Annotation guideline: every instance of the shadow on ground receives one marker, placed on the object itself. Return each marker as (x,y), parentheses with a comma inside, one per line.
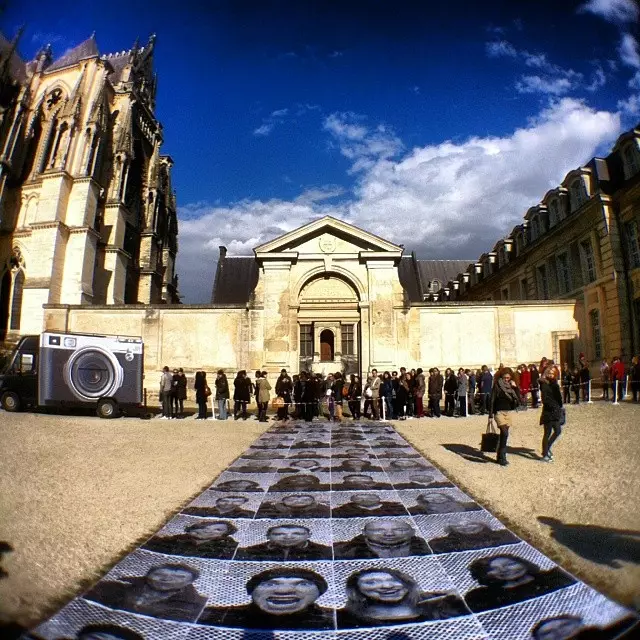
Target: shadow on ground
(475,455)
(602,545)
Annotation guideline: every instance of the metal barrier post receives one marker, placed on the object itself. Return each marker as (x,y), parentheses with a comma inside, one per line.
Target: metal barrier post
(615,392)
(384,409)
(589,401)
(213,408)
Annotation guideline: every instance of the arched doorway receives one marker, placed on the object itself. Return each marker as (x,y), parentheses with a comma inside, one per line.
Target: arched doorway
(5,292)
(329,325)
(326,346)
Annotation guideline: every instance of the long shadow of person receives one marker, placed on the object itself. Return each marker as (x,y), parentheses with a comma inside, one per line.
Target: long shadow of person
(525,452)
(602,545)
(467,452)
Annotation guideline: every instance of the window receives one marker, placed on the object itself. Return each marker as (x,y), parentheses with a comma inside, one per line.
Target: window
(631,233)
(588,261)
(596,338)
(348,347)
(505,294)
(306,341)
(564,273)
(577,194)
(524,293)
(16,302)
(543,283)
(631,164)
(535,228)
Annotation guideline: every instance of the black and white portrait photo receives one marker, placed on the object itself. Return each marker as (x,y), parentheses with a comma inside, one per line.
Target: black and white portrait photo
(362,505)
(439,502)
(286,542)
(471,534)
(206,539)
(232,506)
(296,505)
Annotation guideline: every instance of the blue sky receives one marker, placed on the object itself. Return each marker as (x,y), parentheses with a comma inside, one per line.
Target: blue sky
(433,124)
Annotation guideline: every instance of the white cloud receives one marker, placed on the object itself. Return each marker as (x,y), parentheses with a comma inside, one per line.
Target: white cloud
(501,48)
(452,199)
(264,130)
(598,80)
(613,10)
(628,51)
(631,105)
(539,84)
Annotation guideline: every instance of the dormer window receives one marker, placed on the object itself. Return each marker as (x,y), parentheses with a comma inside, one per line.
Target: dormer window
(554,213)
(535,228)
(435,286)
(578,195)
(630,160)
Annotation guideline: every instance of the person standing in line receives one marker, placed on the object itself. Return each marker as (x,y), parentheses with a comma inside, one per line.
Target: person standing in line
(421,388)
(174,394)
(552,410)
(535,385)
(605,377)
(263,387)
(402,393)
(463,390)
(337,387)
(585,376)
(222,394)
(617,379)
(200,385)
(635,378)
(180,389)
(472,391)
(525,383)
(284,388)
(241,395)
(566,383)
(309,398)
(411,400)
(386,390)
(575,384)
(374,383)
(353,396)
(253,391)
(450,388)
(434,388)
(166,384)
(486,384)
(505,399)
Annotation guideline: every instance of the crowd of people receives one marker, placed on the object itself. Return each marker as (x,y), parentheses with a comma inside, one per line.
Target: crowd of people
(392,395)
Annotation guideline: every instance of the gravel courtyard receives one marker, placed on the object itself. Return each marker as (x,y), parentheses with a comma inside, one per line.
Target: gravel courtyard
(78,492)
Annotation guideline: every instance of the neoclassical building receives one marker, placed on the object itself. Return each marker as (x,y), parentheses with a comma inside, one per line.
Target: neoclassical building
(329,296)
(581,242)
(87,210)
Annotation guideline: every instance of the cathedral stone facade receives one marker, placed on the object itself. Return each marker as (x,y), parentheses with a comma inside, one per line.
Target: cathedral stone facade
(87,211)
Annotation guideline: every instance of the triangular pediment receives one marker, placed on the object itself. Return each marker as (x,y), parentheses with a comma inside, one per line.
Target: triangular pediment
(328,234)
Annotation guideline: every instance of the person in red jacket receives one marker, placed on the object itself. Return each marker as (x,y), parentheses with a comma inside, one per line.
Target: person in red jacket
(617,379)
(525,383)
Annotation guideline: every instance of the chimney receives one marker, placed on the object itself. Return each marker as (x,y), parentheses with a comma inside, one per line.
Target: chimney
(223,252)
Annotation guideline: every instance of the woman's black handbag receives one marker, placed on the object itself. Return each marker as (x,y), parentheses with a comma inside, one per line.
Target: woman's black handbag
(490,438)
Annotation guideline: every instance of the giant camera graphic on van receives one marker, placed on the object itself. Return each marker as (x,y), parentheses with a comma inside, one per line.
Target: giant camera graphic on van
(87,368)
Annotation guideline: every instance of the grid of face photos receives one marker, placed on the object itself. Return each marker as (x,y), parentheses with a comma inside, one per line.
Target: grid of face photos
(324,530)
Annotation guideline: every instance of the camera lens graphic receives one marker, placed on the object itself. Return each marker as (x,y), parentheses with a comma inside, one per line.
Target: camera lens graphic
(93,373)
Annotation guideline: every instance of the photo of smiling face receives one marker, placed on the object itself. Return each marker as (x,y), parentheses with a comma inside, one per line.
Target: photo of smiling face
(298,501)
(382,587)
(214,531)
(506,569)
(285,595)
(467,528)
(288,535)
(167,578)
(388,532)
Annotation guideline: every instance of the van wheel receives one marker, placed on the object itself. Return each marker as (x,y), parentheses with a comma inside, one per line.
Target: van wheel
(107,408)
(10,401)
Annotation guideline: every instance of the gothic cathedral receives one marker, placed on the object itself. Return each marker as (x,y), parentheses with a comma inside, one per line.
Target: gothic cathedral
(87,211)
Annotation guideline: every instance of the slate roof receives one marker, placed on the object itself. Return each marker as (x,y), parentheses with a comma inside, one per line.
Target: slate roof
(235,280)
(86,49)
(237,277)
(17,66)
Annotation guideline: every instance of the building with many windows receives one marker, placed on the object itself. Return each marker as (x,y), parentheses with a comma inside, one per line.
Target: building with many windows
(87,211)
(580,242)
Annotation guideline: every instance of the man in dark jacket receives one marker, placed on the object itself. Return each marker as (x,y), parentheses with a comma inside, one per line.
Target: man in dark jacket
(393,538)
(286,542)
(208,539)
(434,387)
(282,598)
(241,395)
(297,505)
(363,505)
(284,389)
(166,591)
(486,384)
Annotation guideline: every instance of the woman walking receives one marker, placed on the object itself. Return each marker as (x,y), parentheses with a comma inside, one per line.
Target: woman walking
(222,394)
(505,399)
(201,387)
(552,412)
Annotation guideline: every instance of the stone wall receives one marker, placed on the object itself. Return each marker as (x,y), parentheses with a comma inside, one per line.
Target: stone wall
(206,337)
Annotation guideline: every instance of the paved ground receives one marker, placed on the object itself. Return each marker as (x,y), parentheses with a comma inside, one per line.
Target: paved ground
(79,492)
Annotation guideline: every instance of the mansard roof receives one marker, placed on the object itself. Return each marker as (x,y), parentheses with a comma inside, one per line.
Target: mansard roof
(83,51)
(236,278)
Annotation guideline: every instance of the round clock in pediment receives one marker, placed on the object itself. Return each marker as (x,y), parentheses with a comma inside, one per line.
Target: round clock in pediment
(327,243)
